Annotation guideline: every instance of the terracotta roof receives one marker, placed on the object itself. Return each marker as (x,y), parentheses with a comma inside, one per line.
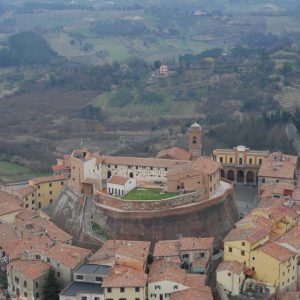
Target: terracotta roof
(31,269)
(268,190)
(67,255)
(26,214)
(292,238)
(202,165)
(276,251)
(190,243)
(278,165)
(15,249)
(8,233)
(193,294)
(166,270)
(251,234)
(23,192)
(291,296)
(8,198)
(232,266)
(122,276)
(8,208)
(141,161)
(43,226)
(44,179)
(166,248)
(137,250)
(174,153)
(118,180)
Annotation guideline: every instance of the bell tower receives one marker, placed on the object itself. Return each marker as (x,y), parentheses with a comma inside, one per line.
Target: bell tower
(195,142)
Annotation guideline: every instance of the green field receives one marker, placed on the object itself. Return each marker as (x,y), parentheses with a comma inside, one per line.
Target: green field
(147,194)
(8,168)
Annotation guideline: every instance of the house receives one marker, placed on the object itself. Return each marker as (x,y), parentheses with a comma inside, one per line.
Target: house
(63,166)
(200,174)
(164,70)
(64,259)
(132,254)
(10,206)
(231,276)
(47,189)
(27,195)
(193,253)
(26,278)
(166,278)
(119,186)
(125,283)
(278,168)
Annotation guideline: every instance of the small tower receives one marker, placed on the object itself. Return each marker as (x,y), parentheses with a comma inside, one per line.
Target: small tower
(195,142)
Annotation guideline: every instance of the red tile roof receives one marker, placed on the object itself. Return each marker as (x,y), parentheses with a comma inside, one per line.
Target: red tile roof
(278,165)
(30,269)
(203,293)
(39,180)
(231,266)
(67,255)
(166,248)
(276,251)
(118,180)
(190,243)
(122,276)
(174,153)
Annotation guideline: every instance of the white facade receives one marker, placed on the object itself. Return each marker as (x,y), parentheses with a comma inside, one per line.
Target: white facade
(162,289)
(230,281)
(273,180)
(121,189)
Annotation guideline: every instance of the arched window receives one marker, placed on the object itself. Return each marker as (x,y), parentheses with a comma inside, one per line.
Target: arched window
(108,174)
(194,139)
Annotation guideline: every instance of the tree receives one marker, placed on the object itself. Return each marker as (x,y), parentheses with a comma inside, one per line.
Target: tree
(51,288)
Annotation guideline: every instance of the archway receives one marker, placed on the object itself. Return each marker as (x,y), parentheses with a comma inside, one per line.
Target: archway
(240,176)
(108,174)
(230,175)
(250,177)
(222,174)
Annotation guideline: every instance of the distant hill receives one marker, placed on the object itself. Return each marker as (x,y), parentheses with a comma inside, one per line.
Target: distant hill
(26,48)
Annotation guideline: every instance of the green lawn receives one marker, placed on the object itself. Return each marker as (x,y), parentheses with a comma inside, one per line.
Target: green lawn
(147,194)
(9,168)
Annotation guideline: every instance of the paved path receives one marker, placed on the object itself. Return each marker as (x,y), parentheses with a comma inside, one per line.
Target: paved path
(293,136)
(245,198)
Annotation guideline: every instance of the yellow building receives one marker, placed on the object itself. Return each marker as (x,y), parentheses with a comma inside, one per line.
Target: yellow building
(273,264)
(47,189)
(125,283)
(240,164)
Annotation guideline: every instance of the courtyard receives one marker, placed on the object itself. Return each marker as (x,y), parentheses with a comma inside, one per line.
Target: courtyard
(147,194)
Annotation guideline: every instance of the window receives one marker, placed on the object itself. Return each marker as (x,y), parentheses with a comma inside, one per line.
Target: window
(79,277)
(166,169)
(229,274)
(39,195)
(263,180)
(97,298)
(157,287)
(122,290)
(253,258)
(116,166)
(175,287)
(48,260)
(38,256)
(83,298)
(98,278)
(51,200)
(26,205)
(137,298)
(283,273)
(38,187)
(243,252)
(221,159)
(250,161)
(50,192)
(25,284)
(33,201)
(243,243)
(58,274)
(137,289)
(136,167)
(37,295)
(229,249)
(36,284)
(109,290)
(194,139)
(253,268)
(151,168)
(50,184)
(62,183)
(260,161)
(25,294)
(231,160)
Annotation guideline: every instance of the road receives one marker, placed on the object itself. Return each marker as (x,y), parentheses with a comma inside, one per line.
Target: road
(246,198)
(293,136)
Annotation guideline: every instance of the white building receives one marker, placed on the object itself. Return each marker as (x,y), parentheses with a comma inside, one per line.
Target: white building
(230,275)
(118,185)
